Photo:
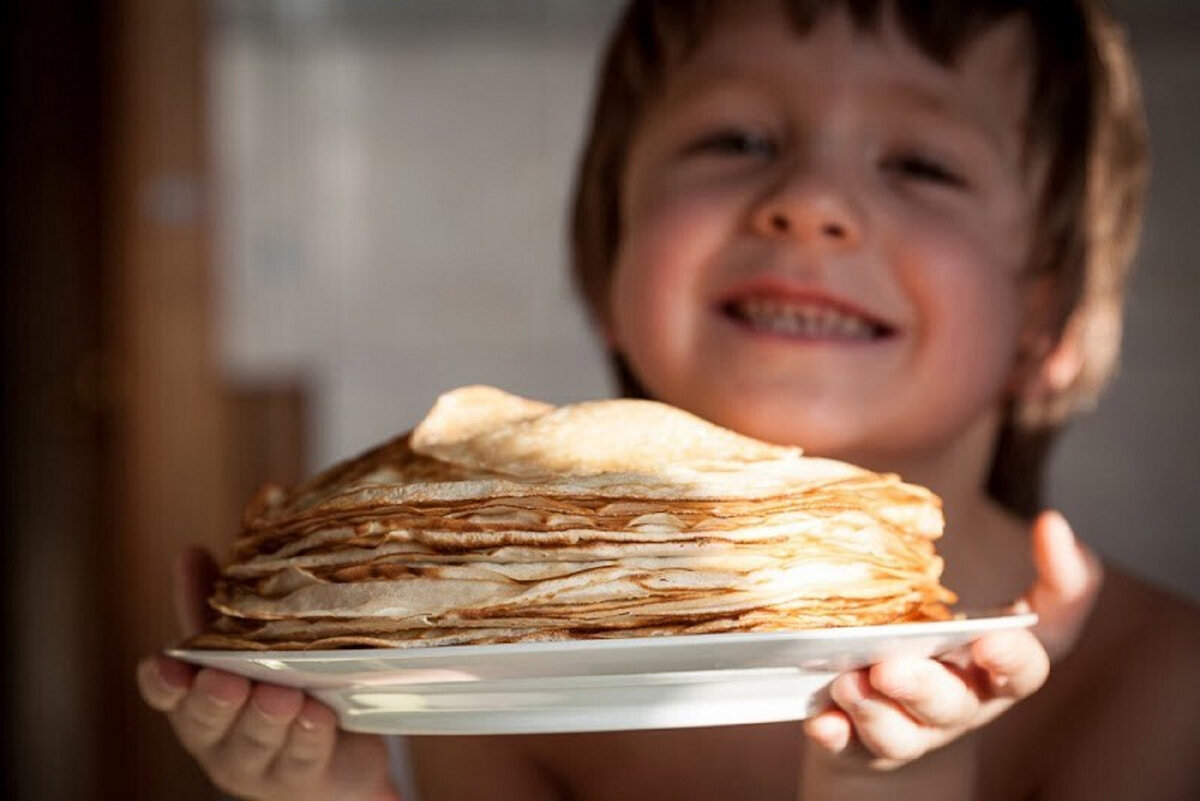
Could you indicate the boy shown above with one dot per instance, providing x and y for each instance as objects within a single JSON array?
[{"x": 886, "y": 233}]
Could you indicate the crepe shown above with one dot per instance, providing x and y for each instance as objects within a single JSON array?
[{"x": 502, "y": 519}]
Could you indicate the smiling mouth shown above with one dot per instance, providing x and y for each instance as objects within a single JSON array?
[{"x": 803, "y": 319}]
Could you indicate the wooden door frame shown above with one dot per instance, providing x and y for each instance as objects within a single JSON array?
[{"x": 170, "y": 423}]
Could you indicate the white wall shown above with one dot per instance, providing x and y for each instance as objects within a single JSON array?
[{"x": 391, "y": 205}]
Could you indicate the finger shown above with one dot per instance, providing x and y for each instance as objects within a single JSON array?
[
  {"x": 931, "y": 692},
  {"x": 1068, "y": 579},
  {"x": 203, "y": 717},
  {"x": 1066, "y": 569},
  {"x": 1015, "y": 662},
  {"x": 258, "y": 734},
  {"x": 195, "y": 571},
  {"x": 880, "y": 725},
  {"x": 163, "y": 682},
  {"x": 830, "y": 729},
  {"x": 309, "y": 745}
]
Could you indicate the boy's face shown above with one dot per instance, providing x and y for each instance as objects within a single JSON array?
[{"x": 822, "y": 236}]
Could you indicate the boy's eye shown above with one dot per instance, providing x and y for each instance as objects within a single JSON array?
[
  {"x": 922, "y": 168},
  {"x": 736, "y": 143}
]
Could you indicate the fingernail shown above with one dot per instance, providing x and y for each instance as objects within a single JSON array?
[
  {"x": 150, "y": 677},
  {"x": 171, "y": 675},
  {"x": 853, "y": 694},
  {"x": 217, "y": 690},
  {"x": 904, "y": 678},
  {"x": 869, "y": 705},
  {"x": 847, "y": 689},
  {"x": 264, "y": 710},
  {"x": 1003, "y": 648},
  {"x": 305, "y": 724},
  {"x": 273, "y": 703}
]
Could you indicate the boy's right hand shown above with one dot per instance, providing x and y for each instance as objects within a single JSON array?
[
  {"x": 888, "y": 715},
  {"x": 257, "y": 740}
]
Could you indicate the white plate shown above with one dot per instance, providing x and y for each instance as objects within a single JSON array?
[{"x": 594, "y": 685}]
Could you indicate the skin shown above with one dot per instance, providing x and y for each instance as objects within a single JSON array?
[{"x": 894, "y": 188}]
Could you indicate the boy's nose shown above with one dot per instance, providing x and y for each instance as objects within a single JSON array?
[{"x": 811, "y": 210}]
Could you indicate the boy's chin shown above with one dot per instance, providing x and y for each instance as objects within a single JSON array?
[{"x": 830, "y": 433}]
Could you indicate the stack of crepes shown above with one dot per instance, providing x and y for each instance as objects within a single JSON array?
[{"x": 500, "y": 519}]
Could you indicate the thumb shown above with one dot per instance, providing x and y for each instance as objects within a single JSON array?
[{"x": 1068, "y": 580}]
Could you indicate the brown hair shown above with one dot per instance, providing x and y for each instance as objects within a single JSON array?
[{"x": 1085, "y": 122}]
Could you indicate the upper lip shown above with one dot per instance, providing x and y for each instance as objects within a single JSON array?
[{"x": 790, "y": 291}]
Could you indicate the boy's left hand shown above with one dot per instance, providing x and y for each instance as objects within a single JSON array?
[{"x": 897, "y": 710}]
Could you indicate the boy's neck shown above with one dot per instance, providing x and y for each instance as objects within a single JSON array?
[
  {"x": 985, "y": 548},
  {"x": 956, "y": 470}
]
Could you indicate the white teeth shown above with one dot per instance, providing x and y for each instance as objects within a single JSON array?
[{"x": 803, "y": 319}]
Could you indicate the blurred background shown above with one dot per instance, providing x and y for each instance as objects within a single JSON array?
[{"x": 243, "y": 239}]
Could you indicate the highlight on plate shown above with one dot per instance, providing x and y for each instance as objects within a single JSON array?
[{"x": 500, "y": 519}]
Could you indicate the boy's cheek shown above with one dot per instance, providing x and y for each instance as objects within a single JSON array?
[
  {"x": 636, "y": 324},
  {"x": 643, "y": 299}
]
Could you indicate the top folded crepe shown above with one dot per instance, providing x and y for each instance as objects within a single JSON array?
[
  {"x": 481, "y": 442},
  {"x": 500, "y": 519}
]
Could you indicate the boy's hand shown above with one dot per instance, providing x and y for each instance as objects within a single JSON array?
[
  {"x": 893, "y": 712},
  {"x": 257, "y": 740}
]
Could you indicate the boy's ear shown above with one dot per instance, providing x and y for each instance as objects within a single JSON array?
[
  {"x": 1061, "y": 365},
  {"x": 1049, "y": 358}
]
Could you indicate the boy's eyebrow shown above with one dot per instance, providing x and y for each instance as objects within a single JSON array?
[
  {"x": 687, "y": 90},
  {"x": 937, "y": 106}
]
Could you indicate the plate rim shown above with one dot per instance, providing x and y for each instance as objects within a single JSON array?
[{"x": 987, "y": 620}]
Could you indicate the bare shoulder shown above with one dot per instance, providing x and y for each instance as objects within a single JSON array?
[
  {"x": 1142, "y": 652},
  {"x": 1149, "y": 642},
  {"x": 1136, "y": 622},
  {"x": 1118, "y": 717}
]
